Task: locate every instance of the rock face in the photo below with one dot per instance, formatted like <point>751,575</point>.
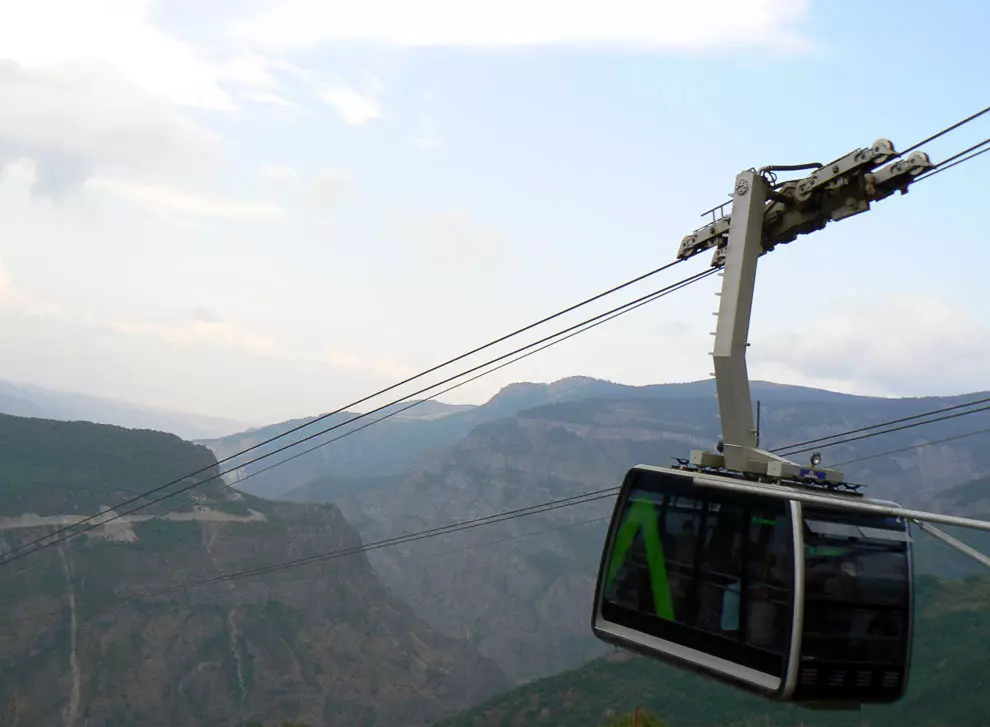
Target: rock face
<point>521,590</point>
<point>393,445</point>
<point>99,630</point>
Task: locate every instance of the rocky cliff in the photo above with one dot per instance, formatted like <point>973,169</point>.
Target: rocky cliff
<point>85,643</point>
<point>521,589</point>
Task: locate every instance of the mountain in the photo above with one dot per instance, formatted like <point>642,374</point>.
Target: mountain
<point>387,447</point>
<point>949,655</point>
<point>397,443</point>
<point>18,406</point>
<point>521,590</point>
<point>93,634</point>
<point>35,401</point>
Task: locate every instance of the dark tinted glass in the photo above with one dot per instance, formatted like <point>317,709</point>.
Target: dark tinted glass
<point>857,588</point>
<point>720,570</point>
<point>769,558</point>
<point>676,571</point>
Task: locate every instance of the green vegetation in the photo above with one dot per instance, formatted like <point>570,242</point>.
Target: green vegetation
<point>638,718</point>
<point>277,647</point>
<point>952,635</point>
<point>57,468</point>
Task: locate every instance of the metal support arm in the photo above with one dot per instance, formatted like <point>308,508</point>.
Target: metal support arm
<point>743,249</point>
<point>939,534</point>
<point>761,218</point>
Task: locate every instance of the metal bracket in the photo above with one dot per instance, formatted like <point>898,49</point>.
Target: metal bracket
<point>761,218</point>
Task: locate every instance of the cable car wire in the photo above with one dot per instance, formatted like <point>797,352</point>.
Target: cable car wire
<point>942,167</point>
<point>430,370</point>
<point>912,446</point>
<point>943,132</point>
<point>550,505</point>
<point>467,381</point>
<point>938,168</point>
<point>234,485</point>
<point>119,602</point>
<point>454,527</point>
<point>41,541</point>
<point>50,539</point>
<point>932,412</point>
<point>398,540</point>
<point>886,431</point>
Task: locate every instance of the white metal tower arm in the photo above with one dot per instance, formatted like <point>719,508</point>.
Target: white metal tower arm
<point>742,251</point>
<point>761,218</point>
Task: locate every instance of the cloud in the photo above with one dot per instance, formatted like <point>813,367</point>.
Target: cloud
<point>903,345</point>
<point>166,200</point>
<point>121,34</point>
<point>428,139</point>
<point>205,314</point>
<point>74,119</point>
<point>200,332</point>
<point>329,190</point>
<point>715,24</point>
<point>280,174</point>
<point>382,366</point>
<point>13,297</point>
<point>454,242</point>
<point>267,98</point>
<point>197,372</point>
<point>206,326</point>
<point>355,107</point>
<point>351,105</point>
<point>103,89</point>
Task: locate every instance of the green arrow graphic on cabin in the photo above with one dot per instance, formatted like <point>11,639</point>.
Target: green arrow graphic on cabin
<point>643,515</point>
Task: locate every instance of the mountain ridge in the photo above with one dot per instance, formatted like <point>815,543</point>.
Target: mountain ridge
<point>540,584</point>
<point>393,445</point>
<point>21,399</point>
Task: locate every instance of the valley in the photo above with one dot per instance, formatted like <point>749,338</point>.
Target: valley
<point>521,590</point>
<point>487,626</point>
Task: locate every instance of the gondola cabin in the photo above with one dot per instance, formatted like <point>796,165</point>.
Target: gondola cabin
<point>793,600</point>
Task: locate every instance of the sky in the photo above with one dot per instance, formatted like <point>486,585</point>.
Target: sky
<point>268,209</point>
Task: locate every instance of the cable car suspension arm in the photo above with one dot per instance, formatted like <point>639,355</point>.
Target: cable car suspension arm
<point>765,214</point>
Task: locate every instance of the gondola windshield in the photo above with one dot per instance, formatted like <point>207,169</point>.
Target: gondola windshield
<point>714,575</point>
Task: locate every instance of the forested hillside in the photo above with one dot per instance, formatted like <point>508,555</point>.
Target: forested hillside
<point>87,641</point>
<point>947,687</point>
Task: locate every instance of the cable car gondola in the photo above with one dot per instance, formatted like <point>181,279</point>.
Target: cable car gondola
<point>745,583</point>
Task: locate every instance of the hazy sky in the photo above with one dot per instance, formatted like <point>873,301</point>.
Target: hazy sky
<point>267,209</point>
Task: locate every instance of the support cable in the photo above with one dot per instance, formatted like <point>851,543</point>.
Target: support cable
<point>50,539</point>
